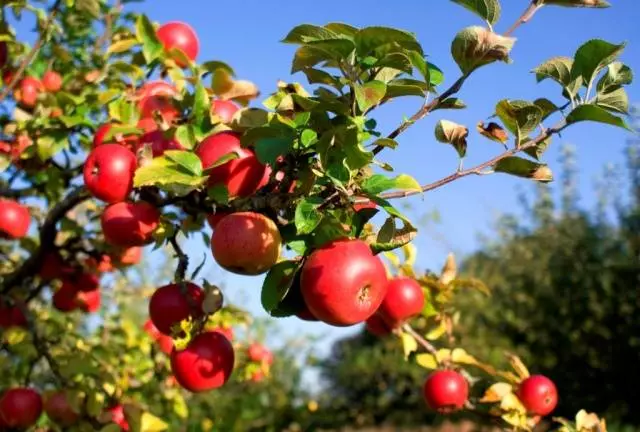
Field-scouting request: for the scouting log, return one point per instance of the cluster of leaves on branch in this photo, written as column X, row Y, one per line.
column 129, row 119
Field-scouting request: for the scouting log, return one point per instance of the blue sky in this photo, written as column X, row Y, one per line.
column 246, row 35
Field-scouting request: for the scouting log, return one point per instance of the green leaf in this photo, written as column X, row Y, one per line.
column 524, row 168
column 618, row 74
column 310, row 55
column 557, row 69
column 317, row 76
column 219, row 193
column 476, row 46
column 546, row 106
column 596, row 114
column 122, row 45
column 223, row 160
column 405, row 87
column 308, row 137
column 185, row 136
column 369, row 39
column 386, row 142
column 49, row 145
column 169, row 175
column 269, row 149
column 307, row 216
column 370, row 94
column 419, row 62
column 186, row 159
column 488, row 10
column 378, row 183
column 451, row 103
column 200, row 103
column 277, row 283
column 5, row 162
column 616, row 100
column 519, row 117
column 146, row 35
column 212, row 66
column 537, row 151
column 436, row 76
column 592, row 57
column 390, row 238
column 343, row 29
column 306, row 33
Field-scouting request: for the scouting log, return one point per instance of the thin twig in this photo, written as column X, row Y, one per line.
column 44, row 34
column 422, row 341
column 183, row 259
column 479, row 169
column 525, row 17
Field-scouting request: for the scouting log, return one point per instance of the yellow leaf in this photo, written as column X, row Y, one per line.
column 225, row 87
column 443, row 355
column 94, row 404
column 449, row 270
column 496, row 392
column 180, row 406
column 437, row 332
column 427, row 361
column 409, row 344
column 518, row 366
column 510, row 402
column 462, row 357
column 151, row 423
column 589, row 422
column 410, row 253
column 15, row 335
column 510, row 376
column 516, row 419
column 109, row 388
column 122, row 45
column 393, row 258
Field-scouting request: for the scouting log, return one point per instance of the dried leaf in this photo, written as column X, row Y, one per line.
column 496, row 392
column 493, row 131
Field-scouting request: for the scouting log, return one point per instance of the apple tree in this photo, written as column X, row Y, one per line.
column 117, row 136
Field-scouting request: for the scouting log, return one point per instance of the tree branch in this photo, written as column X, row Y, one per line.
column 48, row 234
column 424, row 111
column 478, row 170
column 422, row 341
column 525, row 17
column 44, row 34
column 183, row 259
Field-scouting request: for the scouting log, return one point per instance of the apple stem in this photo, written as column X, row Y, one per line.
column 422, row 341
column 183, row 259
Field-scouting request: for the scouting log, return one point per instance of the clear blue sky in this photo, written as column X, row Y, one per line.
column 246, row 35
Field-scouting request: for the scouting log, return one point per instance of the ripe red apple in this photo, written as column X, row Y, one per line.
column 246, row 243
column 14, row 219
column 182, row 36
column 151, row 330
column 129, row 224
column 158, row 142
column 59, row 410
column 117, row 416
column 216, row 217
column 128, row 256
column 84, row 282
column 14, row 149
column 157, row 96
column 343, row 283
column 538, row 394
column 256, row 352
column 11, row 316
column 64, row 299
column 88, row 301
column 168, row 306
column 20, row 407
column 364, row 205
column 102, row 264
column 404, row 299
column 205, row 364
column 128, row 141
column 226, row 331
column 445, row 391
column 377, row 326
column 7, row 76
column 165, row 343
column 242, row 176
column 28, row 91
column 52, row 81
column 257, row 376
column 109, row 171
column 224, row 109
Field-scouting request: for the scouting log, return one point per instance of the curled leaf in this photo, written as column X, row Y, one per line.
column 452, row 133
column 496, row 392
column 225, row 87
column 524, row 168
column 493, row 131
column 449, row 270
column 477, row 46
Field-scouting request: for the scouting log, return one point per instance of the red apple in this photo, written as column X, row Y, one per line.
column 14, row 149
column 20, row 407
column 343, row 283
column 151, row 330
column 109, row 171
column 377, row 326
column 257, row 376
column 117, row 416
column 538, row 394
column 88, row 301
column 157, row 96
column 14, row 219
column 165, row 343
column 102, row 264
column 246, row 243
column 158, row 142
column 404, row 299
column 445, row 391
column 147, row 124
column 128, row 256
column 205, row 364
column 128, row 141
column 181, row 36
column 64, row 299
column 52, row 81
column 256, row 352
column 84, row 282
column 242, row 176
column 224, row 109
column 129, row 224
column 11, row 316
column 7, row 76
column 168, row 306
column 226, row 331
column 364, row 205
column 59, row 410
column 28, row 91
column 54, row 267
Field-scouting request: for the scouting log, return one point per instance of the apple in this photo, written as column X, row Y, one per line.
column 181, row 36
column 165, row 343
column 157, row 96
column 257, row 376
column 102, row 264
column 84, row 282
column 64, row 299
column 445, row 391
column 14, row 219
column 147, row 124
column 224, row 109
column 108, row 172
column 14, row 149
column 246, row 243
column 404, row 299
column 28, row 91
column 158, row 142
column 128, row 256
column 7, row 76
column 343, row 283
column 206, row 363
column 377, row 326
column 256, row 352
column 88, row 301
column 52, row 81
column 242, row 176
column 151, row 329
column 20, row 407
column 128, row 224
column 226, row 331
column 216, row 217
column 129, row 141
column 168, row 305
column 11, row 316
column 117, row 416
column 538, row 394
column 59, row 410
column 364, row 205
column 52, row 267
